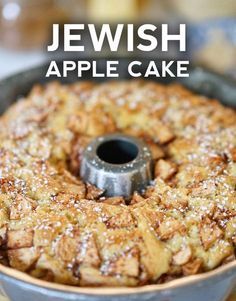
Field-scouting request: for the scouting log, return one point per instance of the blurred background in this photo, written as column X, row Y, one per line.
column 26, row 25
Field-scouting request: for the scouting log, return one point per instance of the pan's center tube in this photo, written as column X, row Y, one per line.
column 117, row 163
column 117, row 151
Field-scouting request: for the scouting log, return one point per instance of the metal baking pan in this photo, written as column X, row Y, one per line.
column 215, row 285
column 200, row 80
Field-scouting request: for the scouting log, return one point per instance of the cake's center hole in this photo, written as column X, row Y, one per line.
column 117, row 151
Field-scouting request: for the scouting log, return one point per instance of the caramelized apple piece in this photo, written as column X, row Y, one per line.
column 168, row 227
column 136, row 198
column 23, row 259
column 183, row 256
column 90, row 276
column 3, row 235
column 165, row 169
column 20, row 238
column 68, row 246
column 93, row 193
column 156, row 151
column 164, row 134
column 192, row 267
column 88, row 252
column 154, row 255
column 127, row 264
column 209, row 233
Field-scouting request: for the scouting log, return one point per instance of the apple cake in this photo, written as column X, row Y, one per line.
column 55, row 227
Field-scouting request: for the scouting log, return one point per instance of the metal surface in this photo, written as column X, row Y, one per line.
column 117, row 163
column 211, row 286
column 200, row 80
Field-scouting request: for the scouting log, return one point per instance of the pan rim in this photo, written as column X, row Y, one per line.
column 15, row 275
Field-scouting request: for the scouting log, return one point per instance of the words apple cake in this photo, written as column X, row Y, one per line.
column 55, row 227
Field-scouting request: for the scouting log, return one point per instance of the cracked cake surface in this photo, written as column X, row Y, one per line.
column 57, row 228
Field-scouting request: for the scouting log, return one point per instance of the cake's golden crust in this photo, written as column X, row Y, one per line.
column 55, row 227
